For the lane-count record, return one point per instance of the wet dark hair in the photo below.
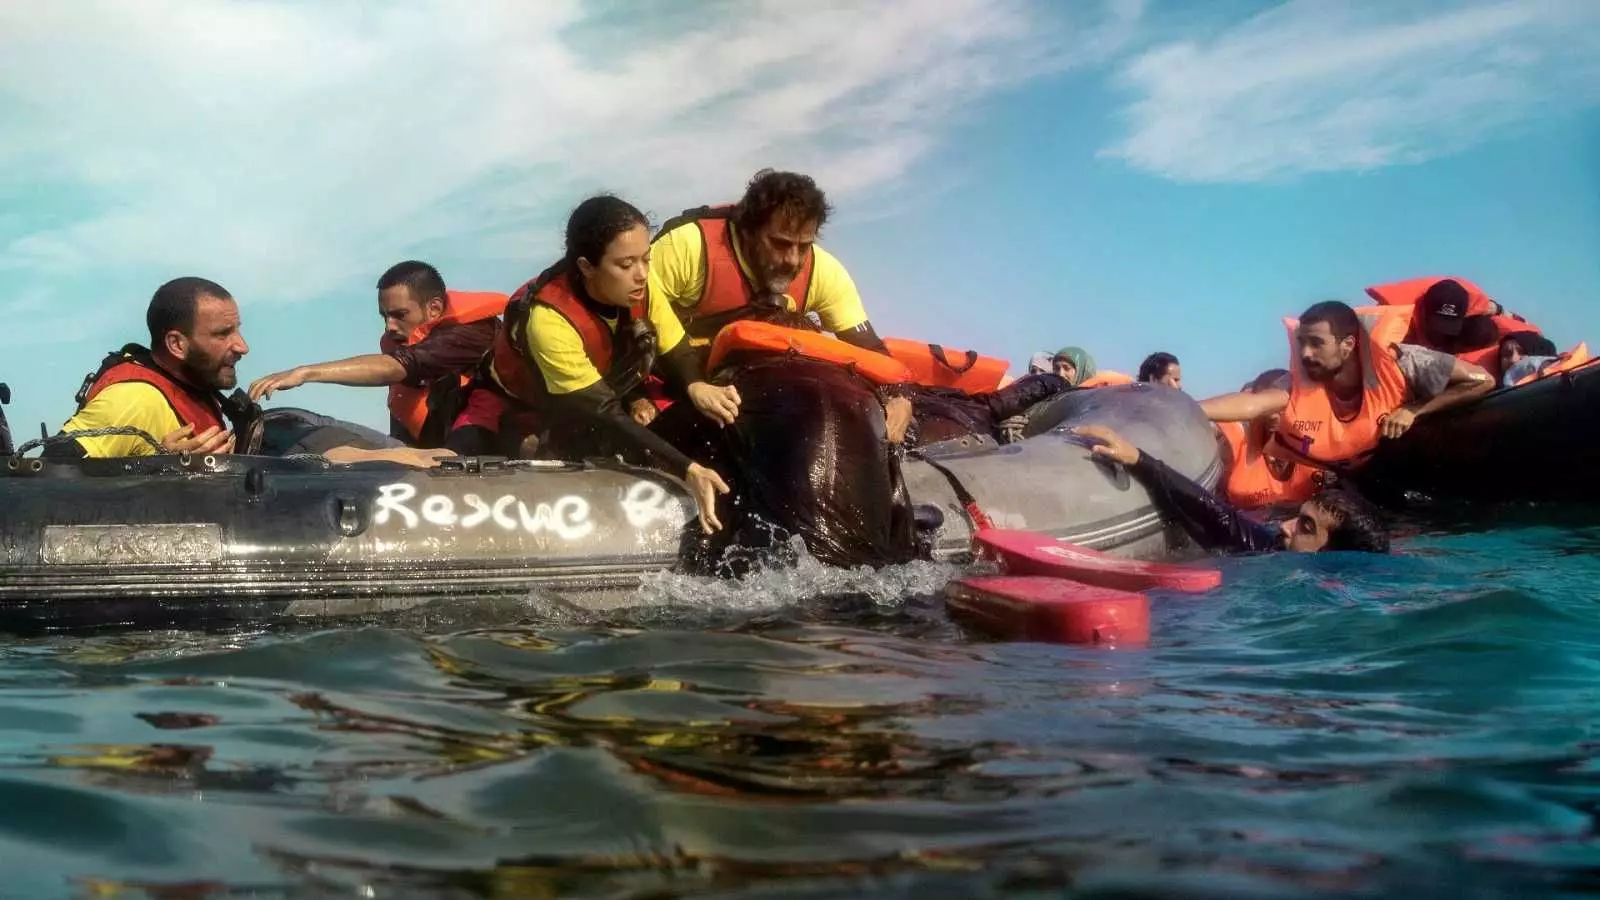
(1267, 380)
(1532, 344)
(794, 196)
(1155, 365)
(595, 223)
(1358, 527)
(173, 306)
(423, 280)
(1338, 316)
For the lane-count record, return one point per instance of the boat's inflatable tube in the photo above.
(332, 538)
(1051, 483)
(1534, 442)
(240, 535)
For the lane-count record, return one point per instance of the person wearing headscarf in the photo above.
(1074, 364)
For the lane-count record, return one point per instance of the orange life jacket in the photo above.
(1479, 305)
(1102, 379)
(1309, 426)
(192, 405)
(408, 405)
(728, 293)
(1573, 359)
(509, 362)
(935, 366)
(1251, 481)
(749, 334)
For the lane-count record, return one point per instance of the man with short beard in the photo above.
(1353, 383)
(719, 264)
(759, 259)
(172, 390)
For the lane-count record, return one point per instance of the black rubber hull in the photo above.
(246, 537)
(1536, 443)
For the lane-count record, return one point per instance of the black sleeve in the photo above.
(681, 365)
(1211, 521)
(599, 406)
(1016, 397)
(449, 350)
(864, 337)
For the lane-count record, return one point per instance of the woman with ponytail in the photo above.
(577, 343)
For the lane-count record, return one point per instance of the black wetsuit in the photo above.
(1211, 521)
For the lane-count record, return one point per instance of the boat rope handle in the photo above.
(112, 431)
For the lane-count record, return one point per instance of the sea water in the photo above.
(1418, 725)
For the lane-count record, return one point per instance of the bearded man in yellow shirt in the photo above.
(719, 264)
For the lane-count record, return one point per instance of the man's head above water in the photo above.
(1336, 519)
(778, 219)
(194, 326)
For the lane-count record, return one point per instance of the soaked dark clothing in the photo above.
(1211, 521)
(940, 414)
(447, 350)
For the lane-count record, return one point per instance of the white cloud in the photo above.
(282, 147)
(1326, 85)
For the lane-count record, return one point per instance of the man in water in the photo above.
(1334, 519)
(433, 340)
(173, 390)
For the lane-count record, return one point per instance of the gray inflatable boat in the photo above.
(236, 536)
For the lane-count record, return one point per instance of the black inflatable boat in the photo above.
(1538, 442)
(247, 536)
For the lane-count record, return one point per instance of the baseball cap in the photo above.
(1445, 305)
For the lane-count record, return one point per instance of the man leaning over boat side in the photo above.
(758, 258)
(1352, 383)
(433, 340)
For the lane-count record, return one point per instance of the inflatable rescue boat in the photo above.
(239, 536)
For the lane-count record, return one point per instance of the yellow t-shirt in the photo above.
(556, 348)
(130, 403)
(677, 273)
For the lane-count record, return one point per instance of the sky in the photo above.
(1008, 176)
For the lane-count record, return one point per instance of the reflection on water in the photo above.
(1418, 726)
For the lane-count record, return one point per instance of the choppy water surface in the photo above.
(1415, 726)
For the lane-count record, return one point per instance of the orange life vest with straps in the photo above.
(766, 337)
(1309, 425)
(728, 294)
(1573, 359)
(134, 363)
(519, 376)
(409, 406)
(1480, 306)
(933, 365)
(1252, 477)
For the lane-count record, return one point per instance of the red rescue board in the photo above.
(1031, 553)
(1052, 610)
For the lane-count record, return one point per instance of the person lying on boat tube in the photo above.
(432, 342)
(172, 390)
(1352, 383)
(758, 258)
(1336, 518)
(568, 366)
